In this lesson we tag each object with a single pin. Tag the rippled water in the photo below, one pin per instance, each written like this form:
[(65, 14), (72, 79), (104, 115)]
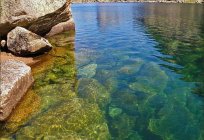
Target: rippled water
[(134, 72)]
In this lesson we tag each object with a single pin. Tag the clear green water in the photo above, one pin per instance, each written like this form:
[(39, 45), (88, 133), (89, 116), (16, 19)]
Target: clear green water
[(134, 72)]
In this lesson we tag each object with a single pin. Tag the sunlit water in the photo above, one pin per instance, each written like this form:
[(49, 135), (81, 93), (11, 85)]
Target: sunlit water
[(134, 72)]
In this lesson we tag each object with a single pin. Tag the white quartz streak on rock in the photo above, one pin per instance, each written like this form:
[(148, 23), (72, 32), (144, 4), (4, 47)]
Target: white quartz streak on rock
[(16, 78)]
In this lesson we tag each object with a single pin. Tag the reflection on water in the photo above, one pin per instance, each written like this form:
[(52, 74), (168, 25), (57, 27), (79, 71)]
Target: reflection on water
[(135, 72), (180, 36)]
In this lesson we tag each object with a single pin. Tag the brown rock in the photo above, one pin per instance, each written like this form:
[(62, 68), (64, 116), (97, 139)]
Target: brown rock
[(22, 42), (16, 78)]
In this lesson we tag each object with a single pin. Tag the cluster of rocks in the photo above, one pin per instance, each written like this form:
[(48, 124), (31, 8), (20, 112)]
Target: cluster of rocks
[(21, 31)]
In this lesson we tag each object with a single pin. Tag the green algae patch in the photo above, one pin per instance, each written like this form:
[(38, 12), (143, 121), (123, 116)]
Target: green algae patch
[(61, 114), (93, 91), (181, 124), (29, 105), (74, 118), (122, 128), (114, 111)]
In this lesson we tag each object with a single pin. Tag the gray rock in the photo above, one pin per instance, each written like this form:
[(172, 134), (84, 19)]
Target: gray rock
[(16, 78), (38, 16), (22, 42)]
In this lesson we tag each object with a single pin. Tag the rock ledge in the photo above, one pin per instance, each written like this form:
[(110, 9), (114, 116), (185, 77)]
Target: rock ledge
[(16, 78)]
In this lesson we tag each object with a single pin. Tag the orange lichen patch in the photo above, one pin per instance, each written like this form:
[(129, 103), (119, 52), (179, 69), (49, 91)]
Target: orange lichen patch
[(29, 104)]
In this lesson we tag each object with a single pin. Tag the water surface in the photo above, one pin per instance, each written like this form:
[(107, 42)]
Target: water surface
[(134, 72)]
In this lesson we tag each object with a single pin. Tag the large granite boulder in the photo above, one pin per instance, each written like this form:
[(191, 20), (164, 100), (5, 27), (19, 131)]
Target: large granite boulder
[(22, 42), (16, 78), (38, 16)]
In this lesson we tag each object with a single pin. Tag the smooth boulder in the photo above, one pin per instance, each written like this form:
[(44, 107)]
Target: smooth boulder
[(22, 42), (16, 78), (39, 16)]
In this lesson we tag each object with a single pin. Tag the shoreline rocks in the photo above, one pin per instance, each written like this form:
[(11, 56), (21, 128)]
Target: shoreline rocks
[(16, 78), (19, 33), (23, 42), (38, 16)]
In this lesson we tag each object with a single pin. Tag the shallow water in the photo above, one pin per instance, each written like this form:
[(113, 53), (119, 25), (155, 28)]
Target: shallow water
[(134, 72)]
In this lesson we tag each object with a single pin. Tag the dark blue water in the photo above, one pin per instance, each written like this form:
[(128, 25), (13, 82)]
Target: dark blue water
[(150, 57)]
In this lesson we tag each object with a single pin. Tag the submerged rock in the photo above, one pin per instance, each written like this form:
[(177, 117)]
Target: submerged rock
[(88, 71), (127, 100), (114, 111), (150, 79), (132, 68), (23, 42), (176, 122), (123, 128), (85, 56), (38, 16), (93, 91), (16, 78), (108, 78)]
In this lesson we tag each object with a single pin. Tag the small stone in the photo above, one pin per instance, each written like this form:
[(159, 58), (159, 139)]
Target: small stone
[(3, 43)]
